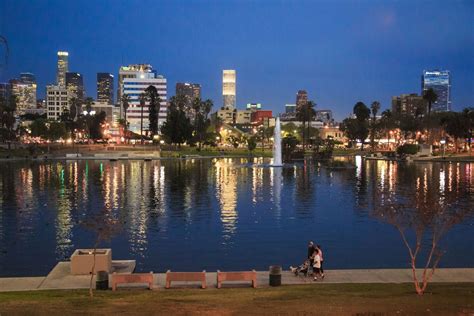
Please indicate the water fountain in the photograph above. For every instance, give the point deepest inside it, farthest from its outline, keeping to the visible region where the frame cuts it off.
(277, 145)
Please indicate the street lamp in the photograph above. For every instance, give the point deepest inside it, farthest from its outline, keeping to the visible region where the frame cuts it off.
(443, 142)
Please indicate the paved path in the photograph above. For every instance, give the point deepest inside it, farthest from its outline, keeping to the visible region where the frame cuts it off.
(59, 278)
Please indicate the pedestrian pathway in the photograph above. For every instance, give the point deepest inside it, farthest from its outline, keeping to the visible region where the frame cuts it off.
(59, 278)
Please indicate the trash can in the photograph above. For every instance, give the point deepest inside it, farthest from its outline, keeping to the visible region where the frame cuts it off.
(275, 275)
(102, 280)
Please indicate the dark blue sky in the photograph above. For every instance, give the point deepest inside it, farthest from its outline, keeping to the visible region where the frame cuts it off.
(339, 51)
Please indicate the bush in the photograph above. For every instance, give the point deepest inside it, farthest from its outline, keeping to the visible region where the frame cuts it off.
(408, 149)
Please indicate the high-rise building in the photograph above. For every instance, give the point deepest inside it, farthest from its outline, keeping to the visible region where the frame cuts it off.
(440, 82)
(189, 90)
(25, 91)
(75, 85)
(301, 98)
(133, 80)
(4, 90)
(229, 88)
(105, 87)
(63, 67)
(57, 100)
(408, 104)
(290, 108)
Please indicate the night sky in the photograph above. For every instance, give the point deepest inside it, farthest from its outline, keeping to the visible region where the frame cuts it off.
(341, 52)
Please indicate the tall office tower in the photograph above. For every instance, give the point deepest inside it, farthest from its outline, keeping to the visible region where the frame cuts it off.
(63, 67)
(228, 88)
(408, 104)
(105, 87)
(440, 82)
(301, 98)
(190, 91)
(25, 91)
(57, 100)
(4, 89)
(133, 80)
(75, 85)
(324, 116)
(290, 108)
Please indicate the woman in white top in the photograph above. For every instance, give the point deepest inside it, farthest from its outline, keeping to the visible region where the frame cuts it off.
(316, 265)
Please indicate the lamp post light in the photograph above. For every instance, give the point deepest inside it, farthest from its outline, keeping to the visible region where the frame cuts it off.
(443, 142)
(88, 113)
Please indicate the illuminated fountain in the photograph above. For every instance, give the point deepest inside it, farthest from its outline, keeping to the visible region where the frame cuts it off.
(277, 145)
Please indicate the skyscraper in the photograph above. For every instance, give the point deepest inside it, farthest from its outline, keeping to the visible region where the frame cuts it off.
(229, 88)
(133, 80)
(105, 87)
(75, 85)
(301, 98)
(63, 67)
(25, 91)
(190, 90)
(408, 104)
(440, 82)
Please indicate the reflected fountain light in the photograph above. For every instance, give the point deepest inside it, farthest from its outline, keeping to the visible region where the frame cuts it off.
(442, 180)
(226, 191)
(276, 186)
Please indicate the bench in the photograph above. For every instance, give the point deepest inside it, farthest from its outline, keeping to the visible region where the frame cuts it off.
(237, 276)
(132, 278)
(186, 276)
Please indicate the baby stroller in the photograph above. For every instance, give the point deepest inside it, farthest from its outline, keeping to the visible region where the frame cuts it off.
(303, 268)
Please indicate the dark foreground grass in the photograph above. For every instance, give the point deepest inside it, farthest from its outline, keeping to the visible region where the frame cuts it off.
(320, 299)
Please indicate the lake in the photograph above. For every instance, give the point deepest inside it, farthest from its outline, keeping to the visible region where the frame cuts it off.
(228, 214)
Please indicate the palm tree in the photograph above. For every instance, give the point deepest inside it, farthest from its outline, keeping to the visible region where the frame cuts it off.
(125, 100)
(430, 96)
(305, 114)
(375, 107)
(143, 98)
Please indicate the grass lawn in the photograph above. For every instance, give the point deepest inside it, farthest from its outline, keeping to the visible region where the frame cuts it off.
(320, 299)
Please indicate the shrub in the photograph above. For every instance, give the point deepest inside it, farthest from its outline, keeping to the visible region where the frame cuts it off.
(408, 149)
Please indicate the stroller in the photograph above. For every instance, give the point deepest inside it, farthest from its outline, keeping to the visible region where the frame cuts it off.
(303, 268)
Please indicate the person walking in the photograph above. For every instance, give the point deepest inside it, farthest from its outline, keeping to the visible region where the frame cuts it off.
(320, 253)
(311, 250)
(316, 265)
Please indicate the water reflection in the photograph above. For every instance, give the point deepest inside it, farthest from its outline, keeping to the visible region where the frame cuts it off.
(220, 210)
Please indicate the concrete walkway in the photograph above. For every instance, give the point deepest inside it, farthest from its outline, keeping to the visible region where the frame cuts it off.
(59, 278)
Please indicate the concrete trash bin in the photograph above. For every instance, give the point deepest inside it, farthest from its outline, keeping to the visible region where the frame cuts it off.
(102, 280)
(275, 275)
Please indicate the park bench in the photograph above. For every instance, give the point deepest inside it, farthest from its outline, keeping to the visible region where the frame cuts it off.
(237, 276)
(132, 278)
(186, 276)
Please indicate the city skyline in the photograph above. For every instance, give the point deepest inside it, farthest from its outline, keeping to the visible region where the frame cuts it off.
(373, 55)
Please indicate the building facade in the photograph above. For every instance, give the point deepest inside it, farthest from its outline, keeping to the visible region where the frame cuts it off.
(324, 116)
(408, 104)
(229, 88)
(75, 85)
(62, 68)
(25, 91)
(440, 82)
(105, 87)
(133, 80)
(301, 98)
(190, 91)
(57, 100)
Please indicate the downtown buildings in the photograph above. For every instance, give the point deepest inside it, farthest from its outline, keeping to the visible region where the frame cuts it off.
(133, 81)
(408, 104)
(75, 85)
(440, 82)
(58, 95)
(229, 89)
(105, 87)
(24, 89)
(62, 68)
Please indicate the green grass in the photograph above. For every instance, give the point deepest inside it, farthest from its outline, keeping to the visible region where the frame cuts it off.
(322, 299)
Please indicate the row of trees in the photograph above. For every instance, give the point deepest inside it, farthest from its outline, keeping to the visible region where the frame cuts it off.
(422, 126)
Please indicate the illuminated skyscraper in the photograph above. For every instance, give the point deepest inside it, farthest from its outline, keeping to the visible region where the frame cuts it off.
(105, 87)
(75, 85)
(63, 67)
(133, 80)
(25, 91)
(228, 88)
(301, 98)
(440, 82)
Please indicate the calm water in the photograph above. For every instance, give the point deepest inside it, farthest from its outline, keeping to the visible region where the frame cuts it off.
(217, 214)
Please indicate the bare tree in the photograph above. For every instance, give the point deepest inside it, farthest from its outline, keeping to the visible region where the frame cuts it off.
(104, 226)
(429, 213)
